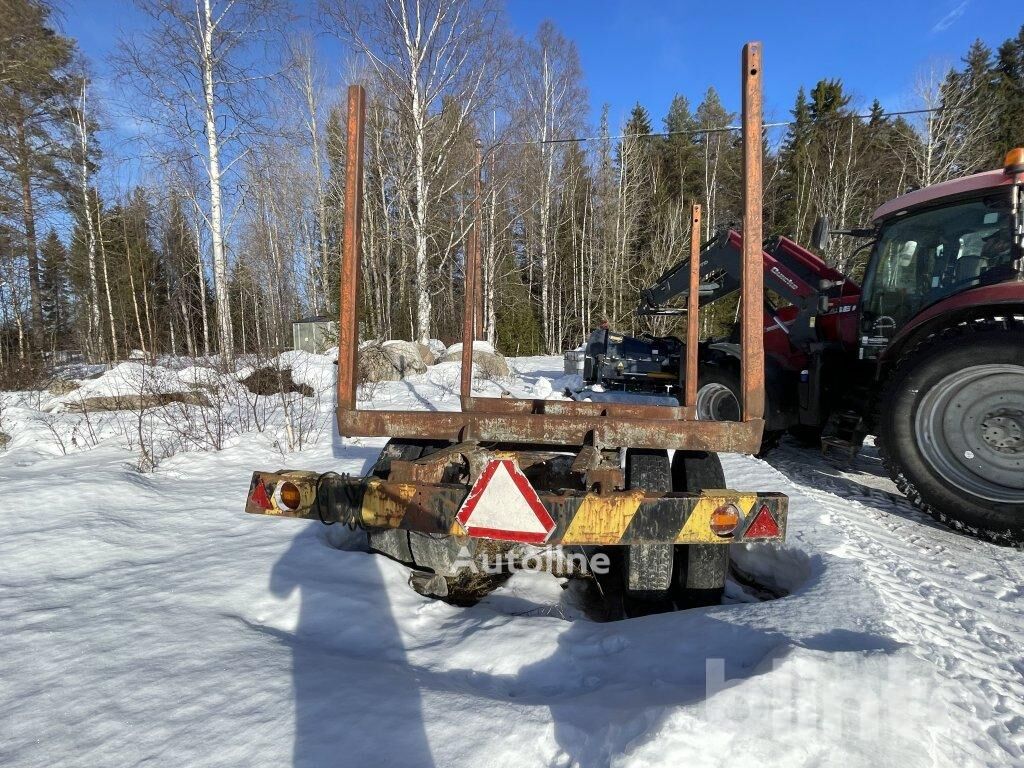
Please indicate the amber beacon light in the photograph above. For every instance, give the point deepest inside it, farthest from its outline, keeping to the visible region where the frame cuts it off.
(1014, 162)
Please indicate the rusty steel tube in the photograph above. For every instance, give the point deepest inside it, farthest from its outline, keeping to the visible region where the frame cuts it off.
(471, 290)
(752, 294)
(348, 321)
(541, 422)
(693, 308)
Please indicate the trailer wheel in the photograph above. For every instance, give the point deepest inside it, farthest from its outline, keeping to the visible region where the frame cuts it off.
(700, 569)
(719, 397)
(394, 542)
(951, 429)
(650, 470)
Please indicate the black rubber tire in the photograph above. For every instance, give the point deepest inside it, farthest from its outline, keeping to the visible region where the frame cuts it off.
(917, 372)
(648, 469)
(806, 435)
(397, 545)
(729, 377)
(693, 471)
(699, 570)
(402, 450)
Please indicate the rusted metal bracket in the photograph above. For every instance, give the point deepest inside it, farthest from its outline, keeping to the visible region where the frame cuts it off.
(468, 457)
(599, 472)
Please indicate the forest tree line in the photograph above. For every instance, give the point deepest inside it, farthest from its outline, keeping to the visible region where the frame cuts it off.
(191, 203)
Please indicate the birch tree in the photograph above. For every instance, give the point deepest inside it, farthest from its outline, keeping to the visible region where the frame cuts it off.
(955, 134)
(198, 68)
(554, 100)
(438, 61)
(83, 132)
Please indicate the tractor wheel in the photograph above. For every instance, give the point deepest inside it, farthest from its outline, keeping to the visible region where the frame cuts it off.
(719, 398)
(699, 571)
(951, 428)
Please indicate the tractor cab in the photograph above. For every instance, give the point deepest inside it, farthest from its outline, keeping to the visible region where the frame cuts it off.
(934, 243)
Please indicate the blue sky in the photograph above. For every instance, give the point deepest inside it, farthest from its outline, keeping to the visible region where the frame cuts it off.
(648, 51)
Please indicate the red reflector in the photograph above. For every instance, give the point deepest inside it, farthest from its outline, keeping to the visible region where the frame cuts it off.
(259, 496)
(763, 525)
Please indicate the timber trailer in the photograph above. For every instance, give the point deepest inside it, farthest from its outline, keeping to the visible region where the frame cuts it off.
(640, 486)
(927, 354)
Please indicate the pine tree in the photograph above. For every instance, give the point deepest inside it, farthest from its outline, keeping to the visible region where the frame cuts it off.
(636, 161)
(36, 93)
(718, 162)
(679, 160)
(1008, 90)
(181, 265)
(793, 160)
(54, 286)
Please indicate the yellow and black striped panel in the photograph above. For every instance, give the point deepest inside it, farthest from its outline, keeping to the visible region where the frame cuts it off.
(623, 517)
(602, 519)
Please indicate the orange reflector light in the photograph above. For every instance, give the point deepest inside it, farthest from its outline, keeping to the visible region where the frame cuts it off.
(290, 496)
(725, 519)
(763, 526)
(1014, 161)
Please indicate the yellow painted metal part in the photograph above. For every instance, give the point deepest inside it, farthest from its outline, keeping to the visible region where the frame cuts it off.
(603, 519)
(386, 508)
(596, 519)
(697, 529)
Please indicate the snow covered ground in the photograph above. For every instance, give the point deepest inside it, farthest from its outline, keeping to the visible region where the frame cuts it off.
(145, 619)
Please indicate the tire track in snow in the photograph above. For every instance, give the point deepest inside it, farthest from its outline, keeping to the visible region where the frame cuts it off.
(955, 601)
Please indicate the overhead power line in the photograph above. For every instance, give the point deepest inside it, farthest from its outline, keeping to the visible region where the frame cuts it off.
(728, 128)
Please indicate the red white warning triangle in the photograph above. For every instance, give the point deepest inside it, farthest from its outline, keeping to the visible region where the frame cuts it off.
(259, 496)
(503, 505)
(763, 526)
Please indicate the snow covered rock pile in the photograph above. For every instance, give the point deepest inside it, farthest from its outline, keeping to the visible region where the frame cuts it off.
(270, 381)
(134, 386)
(488, 361)
(60, 387)
(407, 357)
(395, 360)
(375, 365)
(135, 401)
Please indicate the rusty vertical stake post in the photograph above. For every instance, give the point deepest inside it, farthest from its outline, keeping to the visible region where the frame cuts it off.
(752, 296)
(692, 308)
(348, 321)
(472, 268)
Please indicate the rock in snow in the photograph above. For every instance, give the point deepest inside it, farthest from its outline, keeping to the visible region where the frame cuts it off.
(490, 363)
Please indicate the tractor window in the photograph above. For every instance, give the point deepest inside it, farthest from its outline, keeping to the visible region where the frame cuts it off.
(924, 257)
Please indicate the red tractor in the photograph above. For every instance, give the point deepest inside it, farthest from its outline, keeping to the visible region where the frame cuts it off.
(927, 354)
(941, 321)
